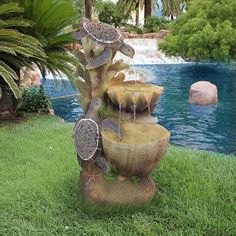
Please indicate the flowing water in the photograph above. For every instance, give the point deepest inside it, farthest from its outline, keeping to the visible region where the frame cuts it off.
(149, 111)
(146, 52)
(120, 113)
(210, 127)
(135, 74)
(134, 113)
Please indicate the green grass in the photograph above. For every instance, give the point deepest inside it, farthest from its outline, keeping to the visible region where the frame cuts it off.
(39, 189)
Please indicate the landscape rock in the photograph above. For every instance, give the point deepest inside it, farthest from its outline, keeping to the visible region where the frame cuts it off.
(203, 93)
(159, 35)
(30, 77)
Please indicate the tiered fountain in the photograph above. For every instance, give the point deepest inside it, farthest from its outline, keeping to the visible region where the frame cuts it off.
(118, 142)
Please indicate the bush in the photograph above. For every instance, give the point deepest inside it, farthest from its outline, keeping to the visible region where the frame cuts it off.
(133, 28)
(109, 13)
(206, 32)
(34, 99)
(155, 24)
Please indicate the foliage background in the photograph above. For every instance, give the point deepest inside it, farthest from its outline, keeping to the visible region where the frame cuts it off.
(206, 32)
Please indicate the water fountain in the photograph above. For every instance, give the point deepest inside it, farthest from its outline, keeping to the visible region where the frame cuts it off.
(118, 141)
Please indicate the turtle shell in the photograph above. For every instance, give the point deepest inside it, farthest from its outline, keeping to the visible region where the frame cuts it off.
(102, 33)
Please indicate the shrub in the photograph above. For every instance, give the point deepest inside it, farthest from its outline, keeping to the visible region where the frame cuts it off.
(155, 24)
(133, 28)
(206, 32)
(109, 13)
(34, 99)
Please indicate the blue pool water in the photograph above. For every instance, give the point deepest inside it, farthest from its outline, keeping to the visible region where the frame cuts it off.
(210, 127)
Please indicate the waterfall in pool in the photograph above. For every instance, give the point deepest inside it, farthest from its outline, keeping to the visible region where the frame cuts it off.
(146, 52)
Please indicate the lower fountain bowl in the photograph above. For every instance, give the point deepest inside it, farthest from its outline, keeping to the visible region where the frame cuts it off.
(140, 149)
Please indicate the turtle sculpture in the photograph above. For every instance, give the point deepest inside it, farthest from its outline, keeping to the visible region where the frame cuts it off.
(87, 137)
(105, 35)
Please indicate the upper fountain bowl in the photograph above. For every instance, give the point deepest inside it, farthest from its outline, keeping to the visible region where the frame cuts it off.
(134, 95)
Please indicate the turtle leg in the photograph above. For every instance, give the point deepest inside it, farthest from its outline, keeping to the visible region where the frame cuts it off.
(77, 35)
(127, 50)
(102, 163)
(112, 126)
(100, 60)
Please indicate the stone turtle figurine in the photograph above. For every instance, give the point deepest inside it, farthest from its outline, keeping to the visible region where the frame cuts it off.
(87, 137)
(107, 36)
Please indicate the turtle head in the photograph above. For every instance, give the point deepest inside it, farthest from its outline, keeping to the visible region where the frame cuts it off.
(79, 34)
(83, 19)
(127, 50)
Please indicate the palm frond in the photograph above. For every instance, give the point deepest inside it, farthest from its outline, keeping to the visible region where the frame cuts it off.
(53, 24)
(8, 23)
(16, 49)
(9, 76)
(59, 63)
(12, 7)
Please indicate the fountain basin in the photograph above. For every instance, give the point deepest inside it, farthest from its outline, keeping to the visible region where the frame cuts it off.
(135, 95)
(140, 149)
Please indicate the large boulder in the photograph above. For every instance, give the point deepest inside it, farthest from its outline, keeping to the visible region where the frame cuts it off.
(203, 93)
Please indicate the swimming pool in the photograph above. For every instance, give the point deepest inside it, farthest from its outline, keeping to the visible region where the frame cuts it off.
(210, 127)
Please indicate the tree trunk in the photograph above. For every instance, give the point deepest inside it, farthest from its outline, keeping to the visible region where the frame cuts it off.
(137, 17)
(88, 9)
(6, 102)
(147, 8)
(44, 73)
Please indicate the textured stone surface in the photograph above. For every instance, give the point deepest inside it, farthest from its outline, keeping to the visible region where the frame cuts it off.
(95, 189)
(203, 93)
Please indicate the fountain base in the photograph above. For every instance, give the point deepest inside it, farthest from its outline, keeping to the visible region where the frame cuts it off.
(96, 189)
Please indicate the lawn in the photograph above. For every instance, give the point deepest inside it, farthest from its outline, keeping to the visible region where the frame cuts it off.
(39, 189)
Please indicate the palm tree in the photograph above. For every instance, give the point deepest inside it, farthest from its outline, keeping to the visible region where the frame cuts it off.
(171, 8)
(53, 22)
(88, 9)
(42, 42)
(147, 8)
(16, 51)
(131, 5)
